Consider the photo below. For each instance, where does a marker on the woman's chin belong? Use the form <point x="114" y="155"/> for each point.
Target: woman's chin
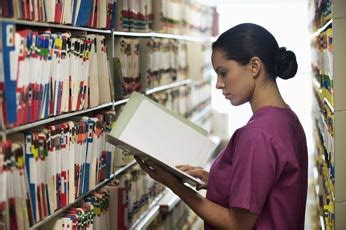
<point x="236" y="102"/>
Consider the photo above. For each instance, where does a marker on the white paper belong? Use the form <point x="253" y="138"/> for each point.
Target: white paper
<point x="164" y="137"/>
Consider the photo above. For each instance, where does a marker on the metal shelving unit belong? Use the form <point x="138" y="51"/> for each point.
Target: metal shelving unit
<point x="108" y="31"/>
<point x="197" y="117"/>
<point x="320" y="30"/>
<point x="146" y="218"/>
<point x="168" y="86"/>
<point x="329" y="104"/>
<point x="169" y="201"/>
<point x="100" y="107"/>
<point x="53" y="119"/>
<point x="164" y="35"/>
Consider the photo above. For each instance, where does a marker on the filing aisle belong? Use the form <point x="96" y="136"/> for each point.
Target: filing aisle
<point x="67" y="69"/>
<point x="328" y="33"/>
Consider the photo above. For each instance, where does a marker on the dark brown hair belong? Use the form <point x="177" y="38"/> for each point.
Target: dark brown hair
<point x="244" y="41"/>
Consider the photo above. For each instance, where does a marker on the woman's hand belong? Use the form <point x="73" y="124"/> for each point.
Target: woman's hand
<point x="197" y="172"/>
<point x="157" y="173"/>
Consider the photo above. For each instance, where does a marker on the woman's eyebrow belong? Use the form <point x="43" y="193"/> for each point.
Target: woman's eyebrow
<point x="219" y="68"/>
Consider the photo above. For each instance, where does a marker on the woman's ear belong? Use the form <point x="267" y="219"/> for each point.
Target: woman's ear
<point x="255" y="65"/>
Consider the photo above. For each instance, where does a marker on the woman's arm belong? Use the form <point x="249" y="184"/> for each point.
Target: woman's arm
<point x="214" y="214"/>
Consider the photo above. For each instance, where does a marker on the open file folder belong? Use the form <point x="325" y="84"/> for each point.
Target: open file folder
<point x="148" y="130"/>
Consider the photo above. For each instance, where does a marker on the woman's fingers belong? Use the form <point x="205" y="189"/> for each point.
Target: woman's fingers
<point x="185" y="168"/>
<point x="203" y="186"/>
<point x="141" y="163"/>
<point x="199" y="173"/>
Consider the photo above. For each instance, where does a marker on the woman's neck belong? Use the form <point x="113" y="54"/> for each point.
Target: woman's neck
<point x="267" y="94"/>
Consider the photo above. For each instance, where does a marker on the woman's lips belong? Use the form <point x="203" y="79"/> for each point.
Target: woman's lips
<point x="227" y="95"/>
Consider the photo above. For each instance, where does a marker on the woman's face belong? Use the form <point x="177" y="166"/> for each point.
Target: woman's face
<point x="236" y="81"/>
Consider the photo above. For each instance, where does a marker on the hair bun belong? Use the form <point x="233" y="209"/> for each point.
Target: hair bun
<point x="285" y="64"/>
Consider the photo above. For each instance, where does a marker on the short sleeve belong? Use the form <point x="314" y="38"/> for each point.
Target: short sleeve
<point x="254" y="169"/>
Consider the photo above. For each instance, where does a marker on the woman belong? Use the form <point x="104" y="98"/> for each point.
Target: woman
<point x="259" y="181"/>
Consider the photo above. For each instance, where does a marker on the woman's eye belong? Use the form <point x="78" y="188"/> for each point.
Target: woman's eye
<point x="223" y="74"/>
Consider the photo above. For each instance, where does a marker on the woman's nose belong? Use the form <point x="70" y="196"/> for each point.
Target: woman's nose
<point x="219" y="83"/>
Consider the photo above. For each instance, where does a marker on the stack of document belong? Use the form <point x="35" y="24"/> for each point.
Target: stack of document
<point x="135" y="16"/>
<point x="169" y="140"/>
<point x="47" y="74"/>
<point x="127" y="64"/>
<point x="183" y="17"/>
<point x="87" y="13"/>
<point x="177" y="99"/>
<point x="159" y="61"/>
<point x="66" y="160"/>
<point x="149" y="62"/>
<point x="141" y="190"/>
<point x="200" y="94"/>
<point x="95" y="212"/>
<point x="183" y="61"/>
<point x="14" y="209"/>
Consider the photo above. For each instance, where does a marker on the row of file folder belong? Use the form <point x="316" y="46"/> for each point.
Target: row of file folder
<point x="149" y="62"/>
<point x="322" y="64"/>
<point x="177" y="100"/>
<point x="200" y="94"/>
<point x="127" y="64"/>
<point x="325" y="182"/>
<point x="104" y="209"/>
<point x="172" y="16"/>
<point x="162" y="60"/>
<point x="66" y="160"/>
<point x="141" y="190"/>
<point x="322" y="56"/>
<point x="46" y="169"/>
<point x="86" y="13"/>
<point x="115" y="206"/>
<point x="186" y="100"/>
<point x="47" y="74"/>
<point x="320" y="13"/>
<point x="136" y="16"/>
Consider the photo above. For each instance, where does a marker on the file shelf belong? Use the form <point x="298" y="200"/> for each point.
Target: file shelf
<point x="97" y="108"/>
<point x="164" y="202"/>
<point x="328" y="61"/>
<point x="60" y="211"/>
<point x="54" y="119"/>
<point x="164" y="35"/>
<point x="108" y="31"/>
